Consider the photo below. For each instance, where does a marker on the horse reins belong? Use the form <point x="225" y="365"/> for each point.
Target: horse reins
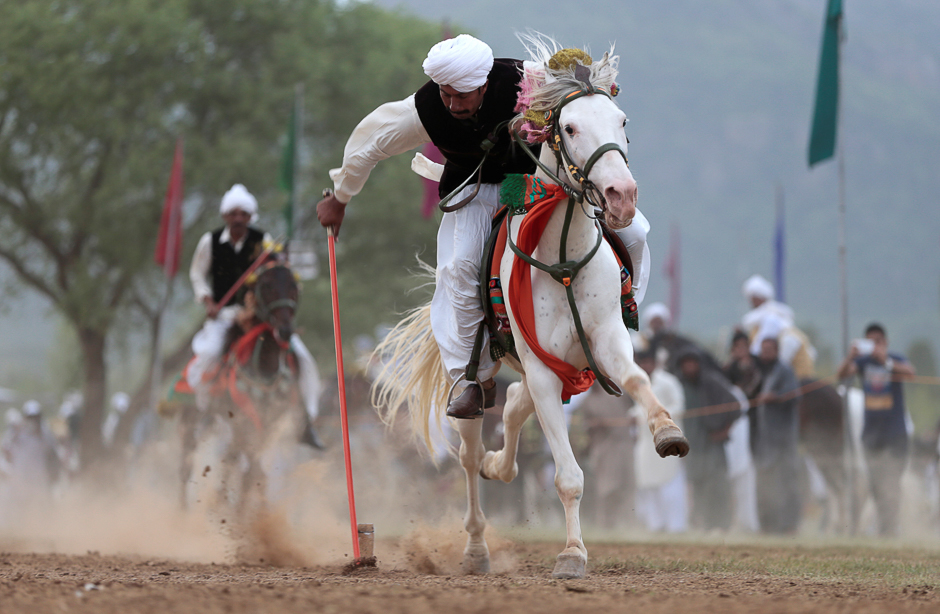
<point x="565" y="271"/>
<point x="264" y="309"/>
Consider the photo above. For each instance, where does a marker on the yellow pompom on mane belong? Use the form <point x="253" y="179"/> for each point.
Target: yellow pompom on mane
<point x="566" y="58"/>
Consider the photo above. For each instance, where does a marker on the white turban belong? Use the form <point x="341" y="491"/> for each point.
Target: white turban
<point x="120" y="402"/>
<point x="757" y="286"/>
<point x="31" y="408"/>
<point x="238" y="197"/>
<point x="656" y="310"/>
<point x="463" y="63"/>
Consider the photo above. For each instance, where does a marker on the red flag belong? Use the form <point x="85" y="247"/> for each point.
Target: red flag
<point x="431" y="196"/>
<point x="170" y="239"/>
<point x="672" y="272"/>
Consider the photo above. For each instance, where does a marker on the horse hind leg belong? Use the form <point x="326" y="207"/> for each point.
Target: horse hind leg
<point x="476" y="555"/>
<point x="501" y="465"/>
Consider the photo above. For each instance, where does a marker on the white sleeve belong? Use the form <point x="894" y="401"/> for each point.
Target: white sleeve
<point x="199" y="269"/>
<point x="634" y="238"/>
<point x="308" y="377"/>
<point x="392" y="129"/>
<point x="789" y="346"/>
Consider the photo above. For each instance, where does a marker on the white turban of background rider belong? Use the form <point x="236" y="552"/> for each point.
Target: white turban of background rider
<point x="463" y="63"/>
<point x="757" y="286"/>
<point x="656" y="310"/>
<point x="238" y="197"/>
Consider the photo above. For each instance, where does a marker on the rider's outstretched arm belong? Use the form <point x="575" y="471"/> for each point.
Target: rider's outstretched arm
<point x="392" y="129"/>
<point x="634" y="237"/>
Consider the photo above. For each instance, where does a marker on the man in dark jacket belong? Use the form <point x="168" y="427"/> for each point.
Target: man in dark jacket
<point x="775" y="451"/>
<point x="711" y="410"/>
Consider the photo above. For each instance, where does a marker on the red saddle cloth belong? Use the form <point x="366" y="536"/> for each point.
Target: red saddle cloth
<point x="539" y="200"/>
<point x="224" y="376"/>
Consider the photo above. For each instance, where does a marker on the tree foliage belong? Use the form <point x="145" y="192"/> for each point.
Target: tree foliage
<point x="93" y="94"/>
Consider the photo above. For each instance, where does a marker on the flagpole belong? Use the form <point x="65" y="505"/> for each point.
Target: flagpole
<point x="780" y="248"/>
<point x="170" y="263"/>
<point x="298" y="136"/>
<point x="850" y="499"/>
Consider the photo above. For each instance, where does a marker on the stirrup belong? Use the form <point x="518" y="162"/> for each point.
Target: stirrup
<point x="463" y="376"/>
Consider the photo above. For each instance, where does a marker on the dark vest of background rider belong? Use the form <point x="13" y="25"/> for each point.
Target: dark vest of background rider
<point x="228" y="266"/>
<point x="459" y="140"/>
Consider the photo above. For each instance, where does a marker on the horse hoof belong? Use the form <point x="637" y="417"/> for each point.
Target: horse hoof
<point x="475" y="564"/>
<point x="671" y="442"/>
<point x="569" y="567"/>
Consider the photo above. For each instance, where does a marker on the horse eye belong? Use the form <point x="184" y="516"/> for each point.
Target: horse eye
<point x="569" y="129"/>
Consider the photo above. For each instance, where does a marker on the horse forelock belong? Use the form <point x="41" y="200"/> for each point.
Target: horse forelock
<point x="543" y="88"/>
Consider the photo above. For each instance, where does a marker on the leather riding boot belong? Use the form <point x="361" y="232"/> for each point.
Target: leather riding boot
<point x="472" y="401"/>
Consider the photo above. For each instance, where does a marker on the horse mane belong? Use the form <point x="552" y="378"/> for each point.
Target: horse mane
<point x="543" y="87"/>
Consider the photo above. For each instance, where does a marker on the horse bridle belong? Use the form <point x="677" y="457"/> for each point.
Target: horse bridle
<point x="263" y="309"/>
<point x="588" y="192"/>
<point x="565" y="271"/>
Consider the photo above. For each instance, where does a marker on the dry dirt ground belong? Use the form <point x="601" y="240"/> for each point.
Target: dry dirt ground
<point x="641" y="577"/>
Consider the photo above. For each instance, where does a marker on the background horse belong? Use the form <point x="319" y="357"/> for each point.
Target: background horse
<point x="587" y="128"/>
<point x="255" y="393"/>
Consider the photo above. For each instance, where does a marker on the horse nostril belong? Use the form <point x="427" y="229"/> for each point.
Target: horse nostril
<point x="285" y="332"/>
<point x="613" y="197"/>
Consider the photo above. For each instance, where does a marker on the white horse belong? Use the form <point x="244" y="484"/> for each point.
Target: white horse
<point x="587" y="123"/>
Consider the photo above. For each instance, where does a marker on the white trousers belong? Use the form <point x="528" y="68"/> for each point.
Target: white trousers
<point x="666" y="507"/>
<point x="210" y="341"/>
<point x="456" y="311"/>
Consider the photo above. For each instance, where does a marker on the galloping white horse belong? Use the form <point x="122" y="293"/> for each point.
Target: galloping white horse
<point x="590" y="130"/>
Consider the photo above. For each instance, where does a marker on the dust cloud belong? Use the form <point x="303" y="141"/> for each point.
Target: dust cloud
<point x="134" y="509"/>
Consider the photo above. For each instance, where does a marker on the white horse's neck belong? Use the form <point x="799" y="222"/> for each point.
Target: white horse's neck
<point x="582" y="233"/>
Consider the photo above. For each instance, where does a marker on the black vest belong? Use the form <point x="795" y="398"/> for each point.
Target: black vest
<point x="227" y="266"/>
<point x="459" y="140"/>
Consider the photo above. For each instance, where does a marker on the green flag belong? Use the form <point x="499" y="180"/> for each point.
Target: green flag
<point x="822" y="140"/>
<point x="286" y="179"/>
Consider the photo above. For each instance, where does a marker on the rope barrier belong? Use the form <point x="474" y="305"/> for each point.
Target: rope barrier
<point x="721" y="408"/>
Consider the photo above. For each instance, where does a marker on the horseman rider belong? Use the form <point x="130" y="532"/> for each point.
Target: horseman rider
<point x="467" y="103"/>
<point x="221" y="257"/>
<point x="772" y="319"/>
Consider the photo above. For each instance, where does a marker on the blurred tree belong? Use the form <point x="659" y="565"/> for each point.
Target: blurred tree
<point x="92" y="96"/>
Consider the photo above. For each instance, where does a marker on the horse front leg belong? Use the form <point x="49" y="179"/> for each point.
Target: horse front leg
<point x="476" y="556"/>
<point x="615" y="356"/>
<point x="545" y="388"/>
<point x="501" y="465"/>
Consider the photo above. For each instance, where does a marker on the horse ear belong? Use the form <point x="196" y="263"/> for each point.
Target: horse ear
<point x="583" y="74"/>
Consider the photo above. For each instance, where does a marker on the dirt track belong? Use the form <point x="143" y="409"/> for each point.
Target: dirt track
<point x="636" y="577"/>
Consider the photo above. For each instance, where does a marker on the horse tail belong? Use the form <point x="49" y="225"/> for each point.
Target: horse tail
<point x="413" y="376"/>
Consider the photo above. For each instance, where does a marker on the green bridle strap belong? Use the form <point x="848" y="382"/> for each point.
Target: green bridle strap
<point x="600" y="151"/>
<point x="564" y="273"/>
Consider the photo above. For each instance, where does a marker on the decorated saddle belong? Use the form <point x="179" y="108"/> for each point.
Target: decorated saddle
<point x="518" y="194"/>
<point x="234" y="376"/>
